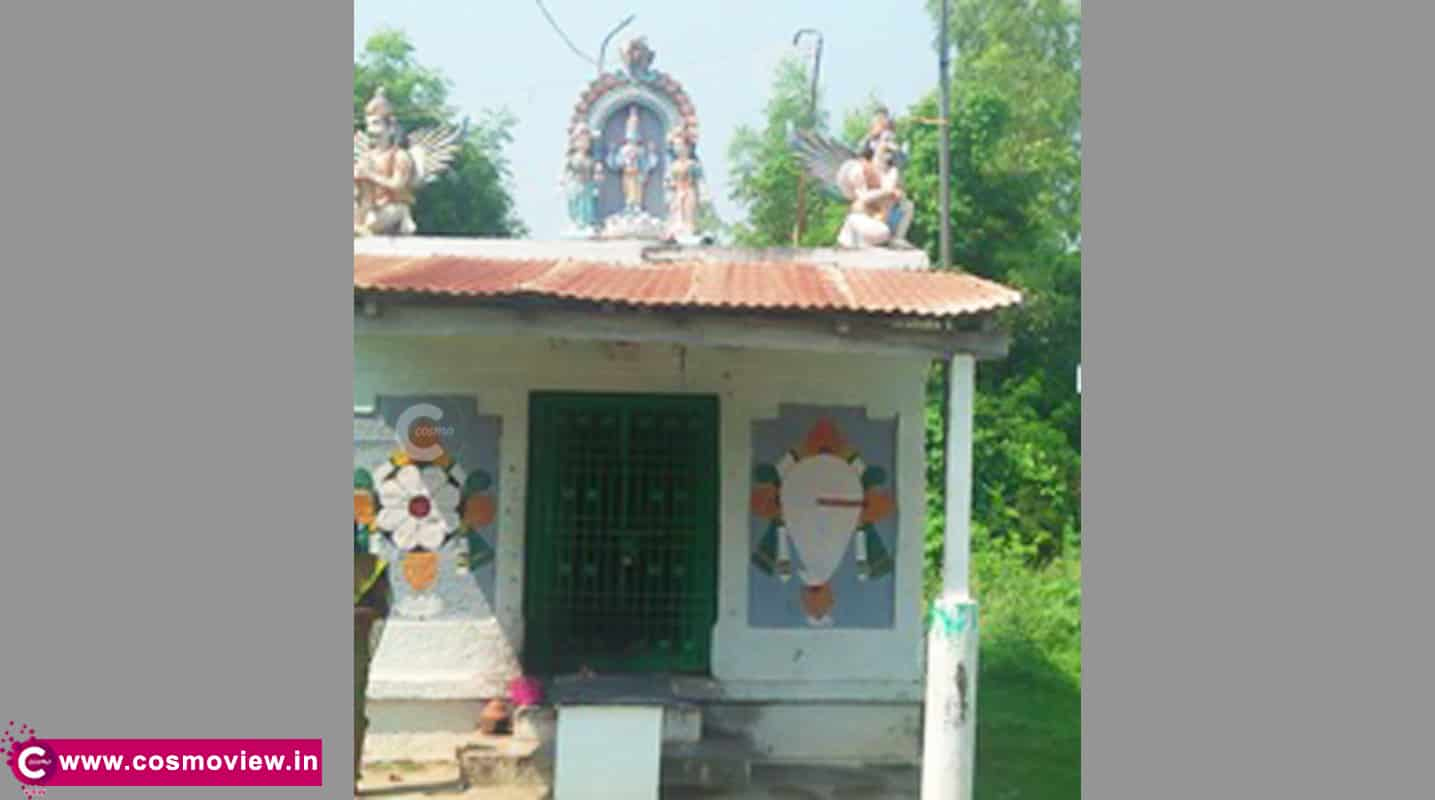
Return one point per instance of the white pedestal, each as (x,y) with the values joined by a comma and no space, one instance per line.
(442,660)
(608,752)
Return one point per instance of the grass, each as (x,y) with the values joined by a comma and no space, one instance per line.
(1028,725)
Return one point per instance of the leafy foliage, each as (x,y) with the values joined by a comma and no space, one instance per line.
(1016,185)
(1015,217)
(473,198)
(1040,607)
(765,173)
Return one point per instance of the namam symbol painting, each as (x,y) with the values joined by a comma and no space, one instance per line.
(823,514)
(425,501)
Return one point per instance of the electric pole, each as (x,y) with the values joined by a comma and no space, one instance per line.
(944,154)
(949,734)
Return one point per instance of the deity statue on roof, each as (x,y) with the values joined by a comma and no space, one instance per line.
(582,175)
(634,114)
(634,159)
(684,184)
(871,179)
(389,168)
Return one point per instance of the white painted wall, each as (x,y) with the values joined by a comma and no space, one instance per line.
(755,664)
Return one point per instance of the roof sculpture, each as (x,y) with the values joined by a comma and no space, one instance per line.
(631,169)
(870,178)
(390,167)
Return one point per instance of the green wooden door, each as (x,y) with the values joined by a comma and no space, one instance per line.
(621,541)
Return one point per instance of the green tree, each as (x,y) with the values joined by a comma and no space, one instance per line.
(765,173)
(1016,183)
(473,198)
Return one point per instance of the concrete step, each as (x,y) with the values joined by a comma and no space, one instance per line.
(716,763)
(682,723)
(506,761)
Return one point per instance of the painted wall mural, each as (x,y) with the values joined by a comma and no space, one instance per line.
(823,513)
(425,499)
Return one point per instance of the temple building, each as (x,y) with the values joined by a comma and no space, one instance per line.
(641,468)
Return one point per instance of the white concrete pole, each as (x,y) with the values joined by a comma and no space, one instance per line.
(949,739)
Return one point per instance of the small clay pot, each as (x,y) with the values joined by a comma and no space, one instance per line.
(495,717)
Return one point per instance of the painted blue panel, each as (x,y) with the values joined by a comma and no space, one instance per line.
(472,440)
(822,500)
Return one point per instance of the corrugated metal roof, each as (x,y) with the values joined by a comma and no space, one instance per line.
(760,286)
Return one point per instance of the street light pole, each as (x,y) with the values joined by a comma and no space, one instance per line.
(811,125)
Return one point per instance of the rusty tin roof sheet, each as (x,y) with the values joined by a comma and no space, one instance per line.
(695,284)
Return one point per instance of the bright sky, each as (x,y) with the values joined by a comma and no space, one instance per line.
(505,54)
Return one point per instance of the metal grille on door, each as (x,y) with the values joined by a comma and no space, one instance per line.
(621,572)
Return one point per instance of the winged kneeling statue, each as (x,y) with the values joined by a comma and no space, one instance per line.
(871,179)
(387,172)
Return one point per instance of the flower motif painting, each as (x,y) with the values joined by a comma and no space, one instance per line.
(421,509)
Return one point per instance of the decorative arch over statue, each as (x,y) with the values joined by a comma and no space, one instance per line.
(621,135)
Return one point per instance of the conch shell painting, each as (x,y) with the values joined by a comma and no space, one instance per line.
(821,500)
